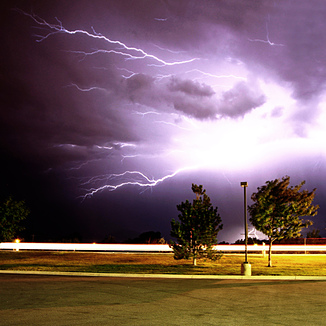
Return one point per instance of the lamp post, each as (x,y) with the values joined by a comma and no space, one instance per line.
(245,267)
(244,185)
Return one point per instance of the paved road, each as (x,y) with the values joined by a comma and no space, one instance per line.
(63,300)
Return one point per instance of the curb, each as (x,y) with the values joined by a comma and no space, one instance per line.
(170,276)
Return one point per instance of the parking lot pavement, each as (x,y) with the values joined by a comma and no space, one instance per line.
(66,300)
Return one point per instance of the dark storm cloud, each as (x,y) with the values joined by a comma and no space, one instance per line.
(287,44)
(200,110)
(188,24)
(64,114)
(199,21)
(190,87)
(282,40)
(240,100)
(189,97)
(51,98)
(192,98)
(139,87)
(304,39)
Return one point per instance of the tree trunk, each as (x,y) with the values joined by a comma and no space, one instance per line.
(270,252)
(194,253)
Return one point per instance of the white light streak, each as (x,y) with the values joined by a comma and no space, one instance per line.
(253,232)
(267,41)
(149,247)
(131,73)
(216,76)
(103,147)
(138,52)
(87,89)
(168,50)
(143,181)
(146,113)
(161,19)
(173,125)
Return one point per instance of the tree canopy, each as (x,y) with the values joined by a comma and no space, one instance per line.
(315,233)
(12,213)
(278,209)
(196,232)
(148,237)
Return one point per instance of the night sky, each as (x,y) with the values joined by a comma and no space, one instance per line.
(110,110)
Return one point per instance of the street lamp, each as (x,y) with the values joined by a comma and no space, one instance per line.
(246,267)
(244,185)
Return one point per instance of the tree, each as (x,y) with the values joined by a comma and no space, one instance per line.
(109,239)
(278,208)
(147,237)
(314,234)
(198,228)
(12,213)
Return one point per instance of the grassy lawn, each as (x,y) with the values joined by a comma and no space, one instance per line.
(160,263)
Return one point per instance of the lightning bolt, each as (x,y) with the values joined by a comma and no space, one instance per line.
(138,179)
(131,177)
(267,41)
(146,113)
(114,181)
(131,73)
(173,125)
(215,76)
(253,232)
(138,52)
(161,19)
(87,89)
(98,150)
(129,156)
(168,50)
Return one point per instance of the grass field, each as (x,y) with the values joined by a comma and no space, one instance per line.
(160,263)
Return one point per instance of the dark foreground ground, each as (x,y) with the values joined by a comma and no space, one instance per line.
(63,300)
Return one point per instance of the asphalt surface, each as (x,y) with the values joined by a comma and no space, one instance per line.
(29,299)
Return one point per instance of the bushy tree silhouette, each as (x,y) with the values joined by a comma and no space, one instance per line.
(196,232)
